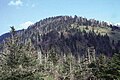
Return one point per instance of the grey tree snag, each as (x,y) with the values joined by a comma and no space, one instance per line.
(12,34)
(91,54)
(39,56)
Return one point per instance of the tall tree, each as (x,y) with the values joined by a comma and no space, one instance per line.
(18,61)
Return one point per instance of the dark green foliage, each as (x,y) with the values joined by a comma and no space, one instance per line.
(107,69)
(53,57)
(114,66)
(17,61)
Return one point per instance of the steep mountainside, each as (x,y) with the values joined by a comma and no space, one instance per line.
(75,35)
(7,35)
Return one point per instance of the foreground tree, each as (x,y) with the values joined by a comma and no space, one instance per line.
(107,69)
(18,61)
(114,67)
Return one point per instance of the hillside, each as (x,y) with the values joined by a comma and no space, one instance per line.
(58,31)
(80,32)
(61,48)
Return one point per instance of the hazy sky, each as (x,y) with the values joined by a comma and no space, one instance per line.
(21,13)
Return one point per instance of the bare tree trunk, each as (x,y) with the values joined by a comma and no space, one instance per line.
(45,64)
(56,75)
(40,57)
(71,68)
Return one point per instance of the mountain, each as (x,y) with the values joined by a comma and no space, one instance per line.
(61,48)
(7,35)
(2,37)
(69,34)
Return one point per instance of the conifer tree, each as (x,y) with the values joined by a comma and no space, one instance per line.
(18,61)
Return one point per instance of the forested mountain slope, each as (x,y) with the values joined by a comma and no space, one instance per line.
(61,48)
(72,34)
